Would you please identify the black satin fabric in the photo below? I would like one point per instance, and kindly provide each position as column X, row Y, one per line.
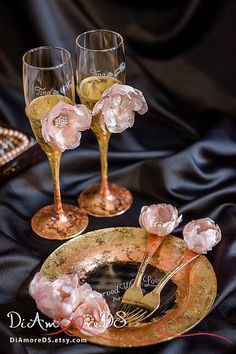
column 181, row 54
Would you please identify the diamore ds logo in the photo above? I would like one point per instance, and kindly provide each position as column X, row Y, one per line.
column 162, row 330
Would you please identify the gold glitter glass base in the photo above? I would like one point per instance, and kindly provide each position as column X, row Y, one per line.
column 115, row 202
column 48, row 224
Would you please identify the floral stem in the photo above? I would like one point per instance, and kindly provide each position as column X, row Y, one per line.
column 54, row 160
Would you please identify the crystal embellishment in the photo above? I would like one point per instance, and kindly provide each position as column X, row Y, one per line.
column 61, row 121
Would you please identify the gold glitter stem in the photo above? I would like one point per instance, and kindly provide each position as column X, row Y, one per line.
column 54, row 160
column 103, row 142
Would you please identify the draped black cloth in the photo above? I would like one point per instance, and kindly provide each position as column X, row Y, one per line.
column 181, row 54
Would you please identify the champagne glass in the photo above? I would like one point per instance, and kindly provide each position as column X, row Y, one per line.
column 101, row 64
column 48, row 79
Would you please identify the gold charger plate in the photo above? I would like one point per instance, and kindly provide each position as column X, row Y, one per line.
column 108, row 260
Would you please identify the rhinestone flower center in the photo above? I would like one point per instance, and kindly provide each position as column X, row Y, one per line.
column 158, row 223
column 61, row 121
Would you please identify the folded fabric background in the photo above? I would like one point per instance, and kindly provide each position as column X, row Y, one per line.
column 181, row 55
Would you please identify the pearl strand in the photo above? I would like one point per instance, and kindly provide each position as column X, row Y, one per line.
column 14, row 140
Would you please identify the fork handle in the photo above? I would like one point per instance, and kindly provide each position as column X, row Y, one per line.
column 187, row 257
column 153, row 242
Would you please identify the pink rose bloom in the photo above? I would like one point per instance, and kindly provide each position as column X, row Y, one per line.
column 201, row 235
column 118, row 105
column 62, row 125
column 159, row 219
column 65, row 301
column 95, row 312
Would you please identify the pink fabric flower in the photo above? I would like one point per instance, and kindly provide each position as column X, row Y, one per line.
column 159, row 219
column 118, row 105
column 201, row 235
column 95, row 311
column 65, row 301
column 62, row 125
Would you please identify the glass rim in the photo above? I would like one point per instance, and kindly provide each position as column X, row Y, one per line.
column 100, row 50
column 47, row 67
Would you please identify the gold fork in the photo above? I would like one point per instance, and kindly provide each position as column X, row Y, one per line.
column 149, row 303
column 135, row 293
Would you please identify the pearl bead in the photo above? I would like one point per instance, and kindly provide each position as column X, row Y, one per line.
column 8, row 154
column 12, row 143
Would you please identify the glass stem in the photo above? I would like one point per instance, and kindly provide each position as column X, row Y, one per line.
column 103, row 141
column 54, row 160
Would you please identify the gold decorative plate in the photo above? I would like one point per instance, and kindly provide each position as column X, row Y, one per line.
column 108, row 260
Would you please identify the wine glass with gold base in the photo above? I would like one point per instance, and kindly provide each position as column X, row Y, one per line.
column 101, row 64
column 47, row 80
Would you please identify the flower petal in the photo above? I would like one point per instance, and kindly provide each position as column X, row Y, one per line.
column 201, row 235
column 67, row 302
column 117, row 106
column 159, row 219
column 62, row 125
